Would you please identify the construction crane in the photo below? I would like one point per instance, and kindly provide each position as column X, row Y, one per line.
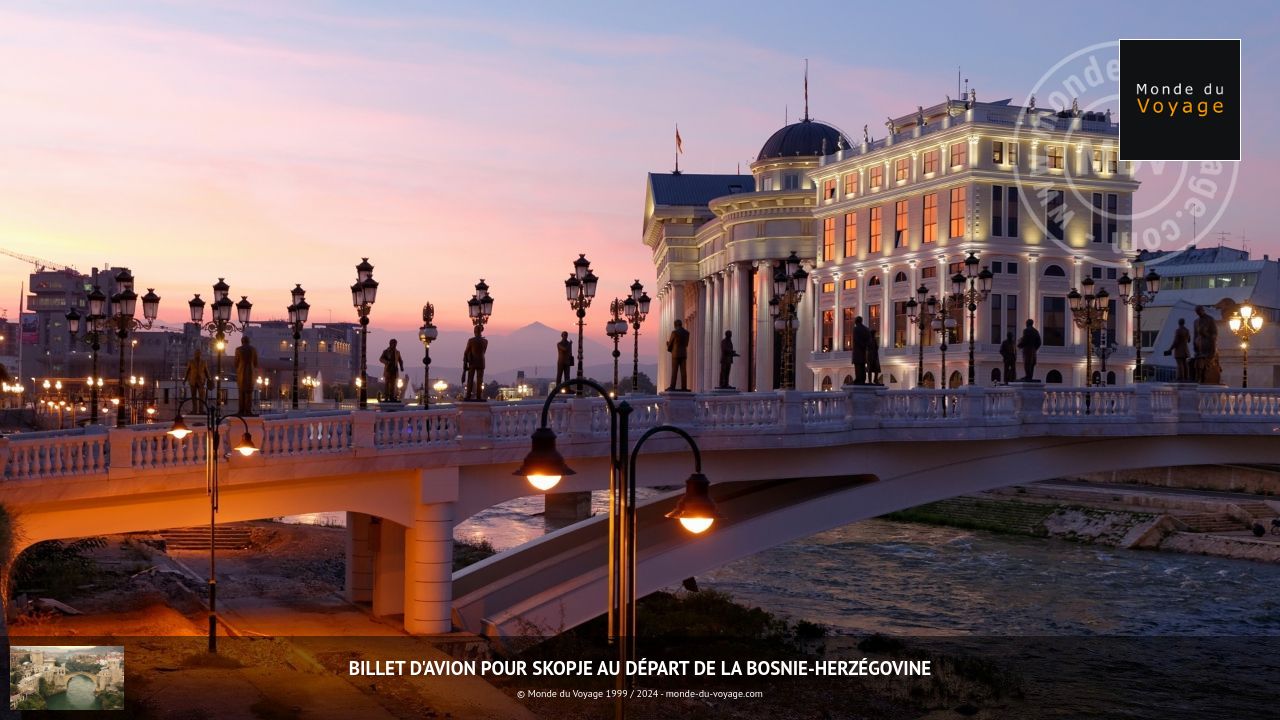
column 37, row 262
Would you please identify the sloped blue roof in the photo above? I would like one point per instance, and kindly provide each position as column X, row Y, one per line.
column 696, row 190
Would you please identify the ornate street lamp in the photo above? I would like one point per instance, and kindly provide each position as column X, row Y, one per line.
column 1138, row 293
column 579, row 289
column 978, row 290
column 480, row 306
column 942, row 323
column 789, row 282
column 363, row 294
column 615, row 329
column 426, row 334
column 544, row 466
column 95, row 322
column 1089, row 312
column 636, row 309
column 221, row 325
column 298, row 311
column 212, row 441
column 1245, row 323
column 918, row 315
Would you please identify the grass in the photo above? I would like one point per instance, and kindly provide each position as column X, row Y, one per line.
column 470, row 553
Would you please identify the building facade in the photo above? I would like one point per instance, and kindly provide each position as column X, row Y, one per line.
column 1040, row 197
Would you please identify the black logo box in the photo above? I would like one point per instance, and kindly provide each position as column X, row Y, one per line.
column 1164, row 73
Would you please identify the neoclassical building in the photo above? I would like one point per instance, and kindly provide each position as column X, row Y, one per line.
column 1039, row 196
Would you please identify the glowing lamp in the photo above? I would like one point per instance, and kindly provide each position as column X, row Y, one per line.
column 696, row 511
column 544, row 466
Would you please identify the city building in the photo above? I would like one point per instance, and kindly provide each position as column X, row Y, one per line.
column 1220, row 279
column 1040, row 197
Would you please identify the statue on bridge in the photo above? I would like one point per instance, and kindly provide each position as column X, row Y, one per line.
column 1009, row 358
column 1029, row 344
column 564, row 358
column 246, row 366
column 862, row 342
column 197, row 379
column 1180, row 350
column 392, row 366
column 678, row 346
column 1207, row 368
column 727, row 354
column 473, row 365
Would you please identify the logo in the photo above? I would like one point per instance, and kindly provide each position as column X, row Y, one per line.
column 1075, row 186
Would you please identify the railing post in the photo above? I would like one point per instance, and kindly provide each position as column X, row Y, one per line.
column 974, row 410
column 1030, row 403
column 475, row 425
column 680, row 408
column 362, row 422
column 791, row 414
column 1188, row 403
column 580, row 416
column 120, row 447
column 1143, row 411
column 864, row 401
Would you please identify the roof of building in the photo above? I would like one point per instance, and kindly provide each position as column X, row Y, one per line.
column 1193, row 256
column 805, row 138
column 698, row 190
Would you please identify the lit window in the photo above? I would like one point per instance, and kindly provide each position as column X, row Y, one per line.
column 828, row 287
column 851, row 284
column 902, row 169
column 1056, row 158
column 829, row 236
column 997, row 152
column 876, row 177
column 900, row 224
column 957, row 212
column 850, row 234
column 829, row 189
column 930, row 161
column 959, row 153
column 930, row 217
column 851, row 184
column 875, row 230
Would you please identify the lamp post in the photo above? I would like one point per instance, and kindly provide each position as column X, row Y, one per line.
column 426, row 334
column 579, row 289
column 1138, row 293
column 95, row 323
column 544, row 466
column 788, row 289
column 1245, row 323
column 221, row 325
column 615, row 329
column 212, row 441
column 124, row 303
column 136, row 383
column 298, row 311
column 1089, row 313
column 363, row 294
column 943, row 323
column 978, row 290
column 636, row 309
column 918, row 315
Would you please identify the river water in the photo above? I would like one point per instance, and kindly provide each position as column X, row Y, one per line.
column 79, row 695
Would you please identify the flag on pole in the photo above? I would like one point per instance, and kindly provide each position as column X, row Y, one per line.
column 679, row 142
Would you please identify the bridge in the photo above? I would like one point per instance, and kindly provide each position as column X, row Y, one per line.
column 783, row 465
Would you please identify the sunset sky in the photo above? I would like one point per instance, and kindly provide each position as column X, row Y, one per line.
column 278, row 142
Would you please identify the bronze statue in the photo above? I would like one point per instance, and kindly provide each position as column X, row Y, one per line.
column 1029, row 344
column 197, row 379
column 246, row 366
column 862, row 340
column 392, row 366
column 727, row 354
column 473, row 365
column 678, row 346
column 1009, row 358
column 1208, row 370
column 564, row 358
column 1180, row 350
column 873, row 360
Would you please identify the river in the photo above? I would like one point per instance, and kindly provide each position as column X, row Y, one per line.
column 79, row 695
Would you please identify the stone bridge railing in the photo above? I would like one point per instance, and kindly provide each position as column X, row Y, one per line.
column 745, row 420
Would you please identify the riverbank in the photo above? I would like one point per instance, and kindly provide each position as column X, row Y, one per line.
column 1133, row 516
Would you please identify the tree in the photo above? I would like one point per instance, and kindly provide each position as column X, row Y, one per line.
column 644, row 384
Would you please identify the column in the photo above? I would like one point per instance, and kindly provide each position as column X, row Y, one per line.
column 428, row 570
column 359, row 580
column 677, row 313
column 741, row 324
column 764, row 326
column 806, row 335
column 1033, row 288
column 836, row 316
column 387, row 538
column 886, row 307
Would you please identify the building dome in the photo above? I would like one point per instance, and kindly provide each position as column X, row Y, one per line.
column 803, row 138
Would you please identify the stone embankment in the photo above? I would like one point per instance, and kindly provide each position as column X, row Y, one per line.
column 1209, row 523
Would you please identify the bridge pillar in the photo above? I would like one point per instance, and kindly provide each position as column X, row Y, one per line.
column 388, row 545
column 359, row 580
column 428, row 570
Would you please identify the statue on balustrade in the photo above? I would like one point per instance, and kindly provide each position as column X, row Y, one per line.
column 1181, row 350
column 1208, row 370
column 246, row 367
column 197, row 379
column 564, row 358
column 873, row 360
column 392, row 366
column 1009, row 357
column 678, row 346
column 862, row 342
column 727, row 354
column 473, row 365
column 1029, row 344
